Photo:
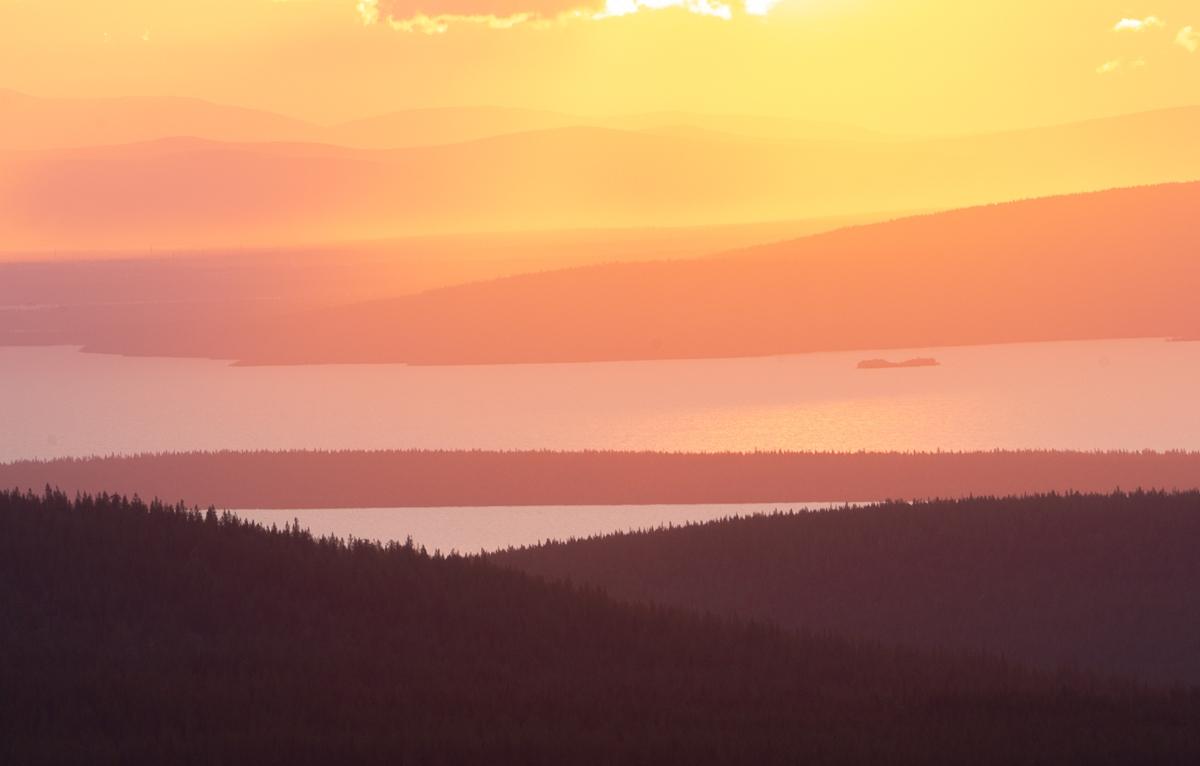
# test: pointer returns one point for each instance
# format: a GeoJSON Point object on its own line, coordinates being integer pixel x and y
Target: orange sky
{"type": "Point", "coordinates": [904, 66]}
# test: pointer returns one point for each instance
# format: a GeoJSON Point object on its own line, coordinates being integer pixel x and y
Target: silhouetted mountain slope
{"type": "Point", "coordinates": [1105, 583]}
{"type": "Point", "coordinates": [412, 478]}
{"type": "Point", "coordinates": [183, 303]}
{"type": "Point", "coordinates": [1111, 264]}
{"type": "Point", "coordinates": [153, 635]}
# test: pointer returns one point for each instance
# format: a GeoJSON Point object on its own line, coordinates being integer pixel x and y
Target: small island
{"type": "Point", "coordinates": [884, 364]}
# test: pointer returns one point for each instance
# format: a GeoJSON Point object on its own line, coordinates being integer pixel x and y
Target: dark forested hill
{"type": "Point", "coordinates": [135, 634]}
{"type": "Point", "coordinates": [1107, 583]}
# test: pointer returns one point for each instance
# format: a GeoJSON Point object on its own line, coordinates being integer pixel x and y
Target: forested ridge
{"type": "Point", "coordinates": [398, 478]}
{"type": "Point", "coordinates": [147, 633]}
{"type": "Point", "coordinates": [1109, 583]}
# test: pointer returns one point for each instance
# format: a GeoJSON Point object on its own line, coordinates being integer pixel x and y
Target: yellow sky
{"type": "Point", "coordinates": [905, 66]}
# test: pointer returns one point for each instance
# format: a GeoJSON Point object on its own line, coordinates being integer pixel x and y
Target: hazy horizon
{"type": "Point", "coordinates": [398, 382]}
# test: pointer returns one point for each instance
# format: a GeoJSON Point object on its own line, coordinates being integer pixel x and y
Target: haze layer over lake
{"type": "Point", "coordinates": [1118, 394]}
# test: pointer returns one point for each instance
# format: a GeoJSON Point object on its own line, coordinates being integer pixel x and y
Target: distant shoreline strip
{"type": "Point", "coordinates": [414, 478]}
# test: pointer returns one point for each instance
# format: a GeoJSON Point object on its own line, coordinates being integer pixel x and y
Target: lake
{"type": "Point", "coordinates": [470, 530]}
{"type": "Point", "coordinates": [1129, 394]}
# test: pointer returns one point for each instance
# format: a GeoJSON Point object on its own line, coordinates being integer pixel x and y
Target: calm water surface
{"type": "Point", "coordinates": [1132, 394]}
{"type": "Point", "coordinates": [470, 530]}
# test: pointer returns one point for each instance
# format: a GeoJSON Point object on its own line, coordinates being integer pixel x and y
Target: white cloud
{"type": "Point", "coordinates": [369, 11]}
{"type": "Point", "coordinates": [760, 7]}
{"type": "Point", "coordinates": [436, 25]}
{"type": "Point", "coordinates": [416, 15]}
{"type": "Point", "coordinates": [1138, 25]}
{"type": "Point", "coordinates": [700, 7]}
{"type": "Point", "coordinates": [1189, 39]}
{"type": "Point", "coordinates": [1120, 65]}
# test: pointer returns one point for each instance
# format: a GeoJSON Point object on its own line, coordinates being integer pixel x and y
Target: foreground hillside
{"type": "Point", "coordinates": [1106, 583]}
{"type": "Point", "coordinates": [411, 478]}
{"type": "Point", "coordinates": [1106, 265]}
{"type": "Point", "coordinates": [138, 634]}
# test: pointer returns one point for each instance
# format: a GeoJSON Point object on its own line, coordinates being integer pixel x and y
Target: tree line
{"type": "Point", "coordinates": [142, 632]}
{"type": "Point", "coordinates": [1109, 583]}
{"type": "Point", "coordinates": [397, 478]}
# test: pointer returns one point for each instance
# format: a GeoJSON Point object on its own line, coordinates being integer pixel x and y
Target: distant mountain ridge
{"type": "Point", "coordinates": [34, 123]}
{"type": "Point", "coordinates": [1111, 264]}
{"type": "Point", "coordinates": [302, 188]}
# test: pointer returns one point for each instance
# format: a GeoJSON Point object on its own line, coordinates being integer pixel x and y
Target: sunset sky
{"type": "Point", "coordinates": [898, 66]}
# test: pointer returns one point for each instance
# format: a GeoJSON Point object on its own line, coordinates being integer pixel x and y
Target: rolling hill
{"type": "Point", "coordinates": [35, 123]}
{"type": "Point", "coordinates": [143, 633]}
{"type": "Point", "coordinates": [143, 299]}
{"type": "Point", "coordinates": [190, 192]}
{"type": "Point", "coordinates": [32, 123]}
{"type": "Point", "coordinates": [1111, 264]}
{"type": "Point", "coordinates": [1108, 584]}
